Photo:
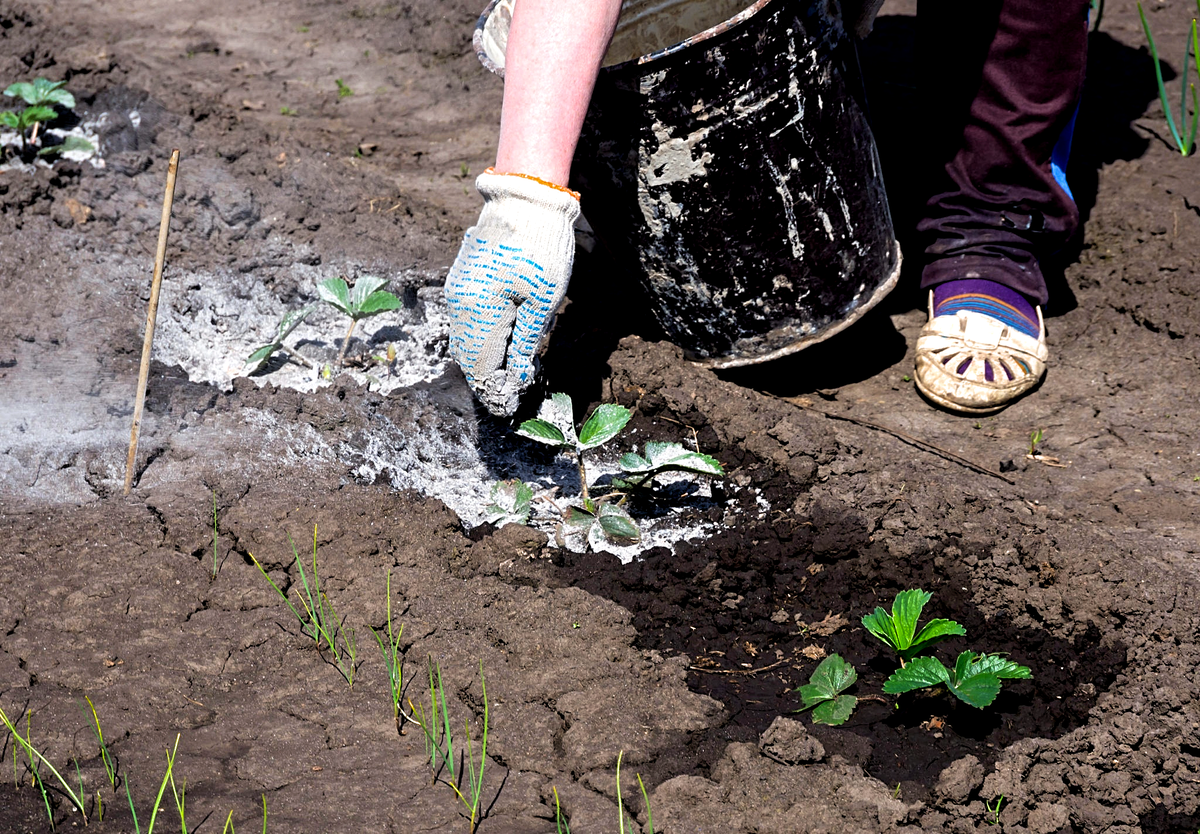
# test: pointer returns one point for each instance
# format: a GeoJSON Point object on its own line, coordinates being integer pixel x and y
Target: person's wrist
{"type": "Point", "coordinates": [534, 178]}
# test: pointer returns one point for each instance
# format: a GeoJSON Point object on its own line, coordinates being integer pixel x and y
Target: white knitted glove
{"type": "Point", "coordinates": [507, 282]}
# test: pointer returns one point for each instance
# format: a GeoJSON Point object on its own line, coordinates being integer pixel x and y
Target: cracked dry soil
{"type": "Point", "coordinates": [685, 660]}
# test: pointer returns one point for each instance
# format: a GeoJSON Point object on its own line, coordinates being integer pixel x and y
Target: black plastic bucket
{"type": "Point", "coordinates": [734, 171]}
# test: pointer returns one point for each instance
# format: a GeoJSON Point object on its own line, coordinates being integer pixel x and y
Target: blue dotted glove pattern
{"type": "Point", "coordinates": [496, 291]}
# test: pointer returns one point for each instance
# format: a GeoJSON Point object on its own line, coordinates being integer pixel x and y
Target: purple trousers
{"type": "Point", "coordinates": [1008, 75]}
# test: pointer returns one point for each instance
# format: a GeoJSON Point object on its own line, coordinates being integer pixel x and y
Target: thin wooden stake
{"type": "Point", "coordinates": [151, 316]}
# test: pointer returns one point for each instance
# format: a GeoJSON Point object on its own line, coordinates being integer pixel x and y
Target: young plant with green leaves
{"type": "Point", "coordinates": [290, 321]}
{"type": "Point", "coordinates": [393, 659]}
{"type": "Point", "coordinates": [74, 793]}
{"type": "Point", "coordinates": [320, 620]}
{"type": "Point", "coordinates": [461, 768]}
{"type": "Point", "coordinates": [823, 692]}
{"type": "Point", "coordinates": [604, 518]}
{"type": "Point", "coordinates": [510, 502]}
{"type": "Point", "coordinates": [976, 679]}
{"type": "Point", "coordinates": [366, 299]}
{"type": "Point", "coordinates": [621, 805]}
{"type": "Point", "coordinates": [229, 829]}
{"type": "Point", "coordinates": [1186, 141]}
{"type": "Point", "coordinates": [899, 628]}
{"type": "Point", "coordinates": [41, 97]}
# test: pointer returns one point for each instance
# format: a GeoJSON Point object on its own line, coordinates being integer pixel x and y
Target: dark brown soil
{"type": "Point", "coordinates": [843, 486]}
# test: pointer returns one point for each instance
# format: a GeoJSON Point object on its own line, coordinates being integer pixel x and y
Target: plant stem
{"type": "Point", "coordinates": [583, 484]}
{"type": "Point", "coordinates": [301, 358]}
{"type": "Point", "coordinates": [346, 343]}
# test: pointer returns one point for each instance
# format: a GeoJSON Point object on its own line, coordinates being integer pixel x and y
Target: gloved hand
{"type": "Point", "coordinates": [507, 282]}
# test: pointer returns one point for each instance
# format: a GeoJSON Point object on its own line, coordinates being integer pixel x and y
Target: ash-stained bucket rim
{"type": "Point", "coordinates": [732, 359]}
{"type": "Point", "coordinates": [478, 38]}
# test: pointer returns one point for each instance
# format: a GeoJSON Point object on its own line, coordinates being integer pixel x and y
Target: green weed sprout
{"type": "Point", "coordinates": [320, 620]}
{"type": "Point", "coordinates": [110, 767]}
{"type": "Point", "coordinates": [975, 679]}
{"type": "Point", "coordinates": [605, 519]}
{"type": "Point", "coordinates": [36, 761]}
{"type": "Point", "coordinates": [436, 726]}
{"type": "Point", "coordinates": [510, 503]}
{"type": "Point", "coordinates": [393, 660]}
{"type": "Point", "coordinates": [343, 89]}
{"type": "Point", "coordinates": [621, 804]}
{"type": "Point", "coordinates": [365, 300]}
{"type": "Point", "coordinates": [823, 692]}
{"type": "Point", "coordinates": [993, 809]}
{"type": "Point", "coordinates": [228, 829]}
{"type": "Point", "coordinates": [168, 779]}
{"type": "Point", "coordinates": [899, 628]}
{"type": "Point", "coordinates": [290, 321]}
{"type": "Point", "coordinates": [1035, 438]}
{"type": "Point", "coordinates": [1185, 142]}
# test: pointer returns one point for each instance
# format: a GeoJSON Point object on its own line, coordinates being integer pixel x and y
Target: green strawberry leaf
{"type": "Point", "coordinates": [906, 610]}
{"type": "Point", "coordinates": [934, 631]}
{"type": "Point", "coordinates": [38, 113]}
{"type": "Point", "coordinates": [618, 527]}
{"type": "Point", "coordinates": [335, 292]}
{"type": "Point", "coordinates": [9, 119]}
{"type": "Point", "coordinates": [363, 287]}
{"type": "Point", "coordinates": [577, 516]}
{"type": "Point", "coordinates": [604, 424]}
{"type": "Point", "coordinates": [977, 690]}
{"type": "Point", "coordinates": [510, 503]}
{"type": "Point", "coordinates": [379, 301]}
{"type": "Point", "coordinates": [918, 674]}
{"type": "Point", "coordinates": [663, 456]}
{"type": "Point", "coordinates": [835, 712]}
{"type": "Point", "coordinates": [70, 144]}
{"type": "Point", "coordinates": [1000, 666]}
{"type": "Point", "coordinates": [542, 432]}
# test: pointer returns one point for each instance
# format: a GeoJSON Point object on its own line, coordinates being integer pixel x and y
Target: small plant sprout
{"type": "Point", "coordinates": [975, 679]}
{"type": "Point", "coordinates": [1187, 140]}
{"type": "Point", "coordinates": [41, 97]}
{"type": "Point", "coordinates": [228, 829]}
{"type": "Point", "coordinates": [555, 426]}
{"type": "Point", "coordinates": [1035, 438]}
{"type": "Point", "coordinates": [393, 660]}
{"type": "Point", "coordinates": [993, 810]}
{"type": "Point", "coordinates": [510, 503]}
{"type": "Point", "coordinates": [365, 300]}
{"type": "Point", "coordinates": [436, 726]}
{"type": "Point", "coordinates": [343, 89]}
{"type": "Point", "coordinates": [560, 824]}
{"type": "Point", "coordinates": [110, 767]}
{"type": "Point", "coordinates": [604, 518]}
{"type": "Point", "coordinates": [36, 760]}
{"type": "Point", "coordinates": [899, 628]}
{"type": "Point", "coordinates": [290, 321]}
{"type": "Point", "coordinates": [621, 816]}
{"type": "Point", "coordinates": [214, 564]}
{"type": "Point", "coordinates": [319, 621]}
{"type": "Point", "coordinates": [823, 692]}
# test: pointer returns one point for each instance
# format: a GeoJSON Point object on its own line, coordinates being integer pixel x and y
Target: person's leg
{"type": "Point", "coordinates": [553, 56]}
{"type": "Point", "coordinates": [1002, 203]}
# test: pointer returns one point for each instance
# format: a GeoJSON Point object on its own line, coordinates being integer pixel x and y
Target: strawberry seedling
{"type": "Point", "coordinates": [604, 518]}
{"type": "Point", "coordinates": [899, 628]}
{"type": "Point", "coordinates": [368, 298]}
{"type": "Point", "coordinates": [823, 692]}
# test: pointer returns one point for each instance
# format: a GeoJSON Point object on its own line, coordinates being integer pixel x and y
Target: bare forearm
{"type": "Point", "coordinates": [554, 52]}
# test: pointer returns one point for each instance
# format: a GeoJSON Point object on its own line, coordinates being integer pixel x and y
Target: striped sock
{"type": "Point", "coordinates": [978, 295]}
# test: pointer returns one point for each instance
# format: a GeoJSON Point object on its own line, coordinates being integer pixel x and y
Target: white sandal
{"type": "Point", "coordinates": [957, 352]}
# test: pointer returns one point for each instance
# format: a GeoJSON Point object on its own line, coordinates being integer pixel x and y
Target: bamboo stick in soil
{"type": "Point", "coordinates": [151, 317]}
